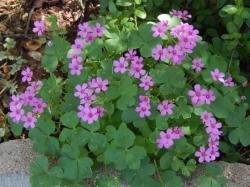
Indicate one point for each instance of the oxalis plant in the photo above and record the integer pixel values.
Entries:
(149, 100)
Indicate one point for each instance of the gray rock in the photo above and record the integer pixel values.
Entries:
(16, 156)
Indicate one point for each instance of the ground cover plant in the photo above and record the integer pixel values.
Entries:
(150, 99)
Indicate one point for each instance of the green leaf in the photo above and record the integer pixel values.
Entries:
(124, 2)
(116, 157)
(229, 9)
(70, 119)
(50, 62)
(171, 179)
(134, 157)
(140, 12)
(40, 165)
(204, 181)
(123, 137)
(166, 159)
(76, 169)
(97, 143)
(235, 118)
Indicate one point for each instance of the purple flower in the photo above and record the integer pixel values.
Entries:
(100, 111)
(159, 53)
(120, 66)
(29, 120)
(137, 60)
(203, 155)
(98, 30)
(99, 85)
(159, 29)
(34, 87)
(75, 68)
(177, 133)
(81, 90)
(209, 96)
(165, 140)
(213, 128)
(175, 54)
(27, 75)
(165, 108)
(136, 70)
(16, 113)
(87, 114)
(78, 44)
(217, 75)
(146, 82)
(144, 107)
(213, 153)
(129, 55)
(84, 29)
(184, 15)
(39, 27)
(206, 117)
(228, 82)
(197, 95)
(197, 64)
(38, 105)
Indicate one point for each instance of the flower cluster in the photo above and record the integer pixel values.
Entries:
(144, 107)
(166, 139)
(39, 27)
(165, 108)
(200, 96)
(217, 75)
(87, 34)
(86, 92)
(187, 40)
(132, 63)
(214, 132)
(184, 15)
(25, 107)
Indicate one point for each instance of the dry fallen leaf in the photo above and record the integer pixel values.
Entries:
(35, 55)
(33, 45)
(3, 28)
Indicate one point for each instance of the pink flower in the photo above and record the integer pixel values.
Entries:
(217, 75)
(16, 100)
(29, 120)
(84, 29)
(228, 82)
(136, 70)
(144, 107)
(159, 53)
(175, 54)
(120, 66)
(209, 96)
(165, 140)
(81, 90)
(34, 87)
(28, 98)
(213, 143)
(99, 85)
(160, 28)
(213, 153)
(213, 128)
(38, 105)
(197, 95)
(27, 75)
(184, 15)
(16, 113)
(100, 111)
(87, 114)
(39, 27)
(165, 108)
(137, 60)
(203, 155)
(177, 133)
(75, 68)
(146, 82)
(78, 44)
(129, 55)
(206, 117)
(98, 30)
(197, 65)
(89, 97)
